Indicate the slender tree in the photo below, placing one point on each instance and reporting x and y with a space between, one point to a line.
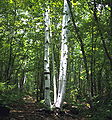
64 56
76 30
46 58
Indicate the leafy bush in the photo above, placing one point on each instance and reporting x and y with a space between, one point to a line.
9 94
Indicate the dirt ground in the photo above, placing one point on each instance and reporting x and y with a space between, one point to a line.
31 111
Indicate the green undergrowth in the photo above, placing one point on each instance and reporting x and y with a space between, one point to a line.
9 94
101 109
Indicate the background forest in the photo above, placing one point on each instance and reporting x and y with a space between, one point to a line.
89 62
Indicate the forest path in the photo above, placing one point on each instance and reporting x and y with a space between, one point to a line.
30 110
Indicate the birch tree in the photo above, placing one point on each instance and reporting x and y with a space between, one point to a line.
46 59
53 73
63 58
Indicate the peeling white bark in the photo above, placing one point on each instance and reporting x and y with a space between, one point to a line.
46 60
64 55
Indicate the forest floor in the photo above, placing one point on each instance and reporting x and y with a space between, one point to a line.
30 110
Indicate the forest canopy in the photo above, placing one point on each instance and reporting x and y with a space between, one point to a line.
58 51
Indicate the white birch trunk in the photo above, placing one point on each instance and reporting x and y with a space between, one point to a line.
53 72
46 59
63 60
54 79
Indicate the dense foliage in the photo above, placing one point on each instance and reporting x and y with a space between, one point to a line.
89 73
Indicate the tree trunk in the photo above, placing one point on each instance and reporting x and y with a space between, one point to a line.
63 59
46 59
81 44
